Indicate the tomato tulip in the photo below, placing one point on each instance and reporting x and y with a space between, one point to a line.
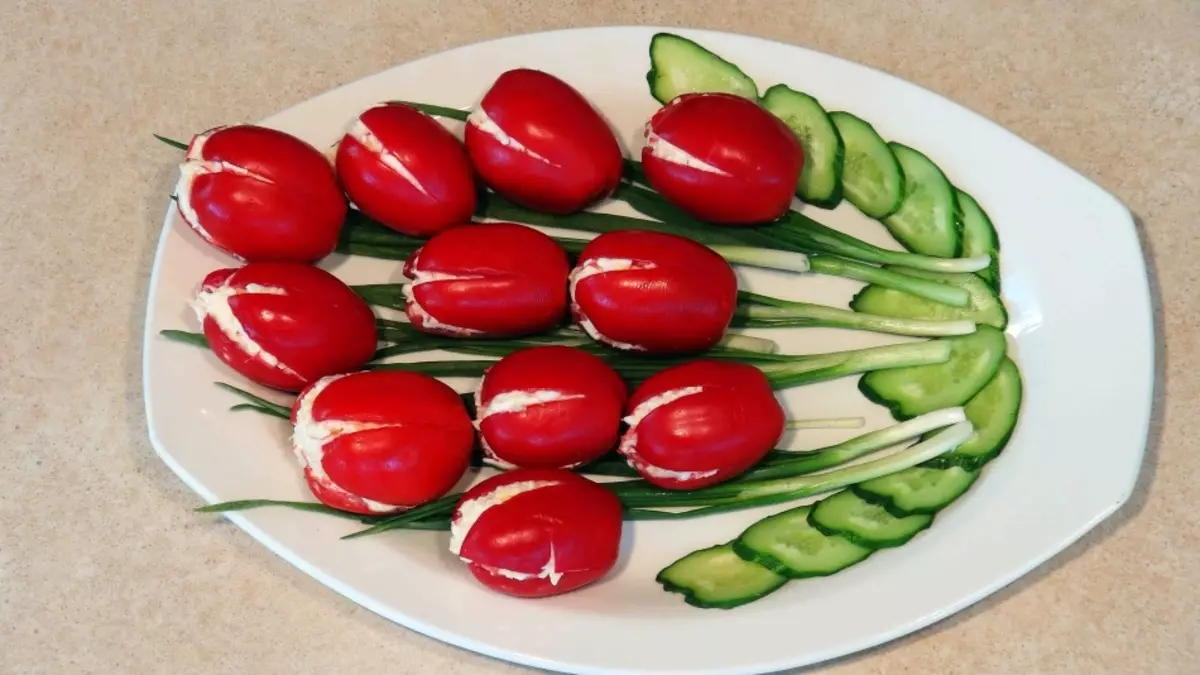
487 280
284 324
701 423
549 407
722 158
381 441
260 195
405 170
537 141
652 292
537 532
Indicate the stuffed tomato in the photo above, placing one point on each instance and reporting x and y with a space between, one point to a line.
284 324
376 442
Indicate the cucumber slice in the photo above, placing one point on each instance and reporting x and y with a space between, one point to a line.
921 489
787 544
680 66
916 390
979 237
926 222
993 412
985 306
824 153
863 523
871 175
716 577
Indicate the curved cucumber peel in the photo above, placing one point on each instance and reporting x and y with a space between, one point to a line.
717 578
979 237
915 390
787 544
927 221
863 523
919 490
985 307
824 152
680 66
993 412
871 176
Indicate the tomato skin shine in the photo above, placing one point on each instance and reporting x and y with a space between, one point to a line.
497 280
405 170
380 441
549 407
535 140
534 533
701 423
260 195
285 324
722 158
653 292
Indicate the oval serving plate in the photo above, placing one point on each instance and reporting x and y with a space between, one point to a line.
1061 474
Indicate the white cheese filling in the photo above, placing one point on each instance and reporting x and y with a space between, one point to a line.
548 571
214 304
480 120
520 400
628 447
309 438
195 165
653 403
668 152
590 268
515 401
360 132
424 318
469 511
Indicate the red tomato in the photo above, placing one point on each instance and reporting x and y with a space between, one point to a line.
284 325
404 169
537 141
537 532
652 292
487 280
260 195
701 423
722 158
549 407
381 441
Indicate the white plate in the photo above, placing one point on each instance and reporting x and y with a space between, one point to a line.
1071 262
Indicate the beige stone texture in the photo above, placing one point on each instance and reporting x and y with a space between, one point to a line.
105 569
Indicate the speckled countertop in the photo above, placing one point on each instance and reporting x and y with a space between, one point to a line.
104 569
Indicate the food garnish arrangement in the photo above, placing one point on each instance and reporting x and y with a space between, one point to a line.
615 380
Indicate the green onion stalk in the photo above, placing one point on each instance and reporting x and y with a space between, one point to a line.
366 238
783 371
776 480
745 246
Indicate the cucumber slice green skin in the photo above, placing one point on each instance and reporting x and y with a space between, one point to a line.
680 66
919 490
927 221
872 179
787 544
863 523
824 152
915 390
979 237
985 306
994 412
717 578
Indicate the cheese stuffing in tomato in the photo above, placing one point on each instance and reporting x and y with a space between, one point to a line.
284 324
260 194
722 158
